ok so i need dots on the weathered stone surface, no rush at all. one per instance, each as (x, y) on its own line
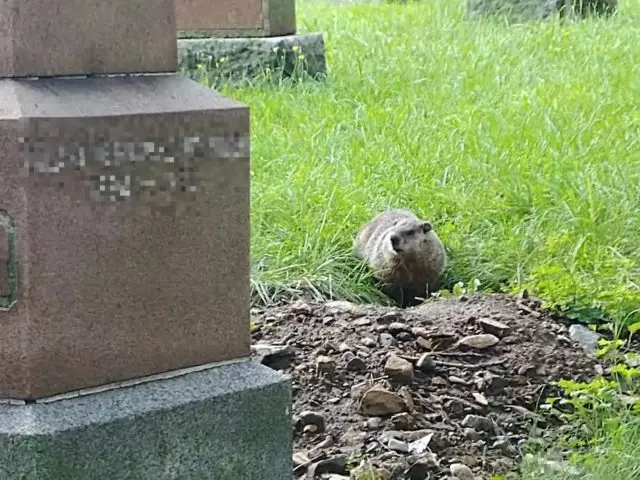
(378, 401)
(520, 10)
(123, 270)
(240, 58)
(240, 18)
(399, 369)
(77, 37)
(494, 327)
(588, 339)
(480, 342)
(228, 422)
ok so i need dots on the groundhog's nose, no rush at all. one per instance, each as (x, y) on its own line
(395, 241)
(426, 227)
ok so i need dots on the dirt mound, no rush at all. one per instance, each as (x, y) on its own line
(445, 389)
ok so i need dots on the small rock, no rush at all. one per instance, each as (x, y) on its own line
(300, 458)
(420, 469)
(387, 340)
(405, 394)
(309, 417)
(586, 338)
(458, 380)
(494, 327)
(397, 327)
(425, 363)
(398, 445)
(478, 422)
(399, 369)
(380, 402)
(401, 421)
(343, 347)
(340, 306)
(404, 337)
(369, 342)
(461, 471)
(374, 423)
(480, 342)
(419, 332)
(325, 365)
(423, 343)
(418, 447)
(310, 429)
(356, 364)
(479, 398)
(362, 322)
(336, 464)
(472, 434)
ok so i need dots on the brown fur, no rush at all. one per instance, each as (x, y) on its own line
(405, 254)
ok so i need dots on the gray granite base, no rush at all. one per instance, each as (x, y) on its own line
(527, 10)
(238, 59)
(230, 422)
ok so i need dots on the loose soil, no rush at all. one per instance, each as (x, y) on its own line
(439, 400)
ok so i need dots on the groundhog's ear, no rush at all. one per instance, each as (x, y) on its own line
(426, 227)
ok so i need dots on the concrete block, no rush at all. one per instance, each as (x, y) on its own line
(128, 199)
(78, 37)
(240, 58)
(230, 422)
(240, 18)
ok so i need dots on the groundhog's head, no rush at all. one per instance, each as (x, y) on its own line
(409, 237)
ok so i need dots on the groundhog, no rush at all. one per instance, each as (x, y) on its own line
(406, 256)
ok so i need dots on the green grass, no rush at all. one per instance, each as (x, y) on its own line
(614, 455)
(520, 143)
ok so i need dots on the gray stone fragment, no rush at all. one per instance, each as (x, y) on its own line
(237, 59)
(232, 421)
(387, 340)
(518, 10)
(527, 10)
(585, 337)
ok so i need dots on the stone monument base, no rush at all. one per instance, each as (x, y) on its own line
(532, 10)
(237, 59)
(228, 422)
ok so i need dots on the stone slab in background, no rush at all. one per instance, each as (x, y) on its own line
(522, 10)
(77, 37)
(241, 58)
(130, 197)
(230, 422)
(237, 18)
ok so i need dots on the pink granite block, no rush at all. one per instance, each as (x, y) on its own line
(237, 18)
(79, 37)
(131, 201)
